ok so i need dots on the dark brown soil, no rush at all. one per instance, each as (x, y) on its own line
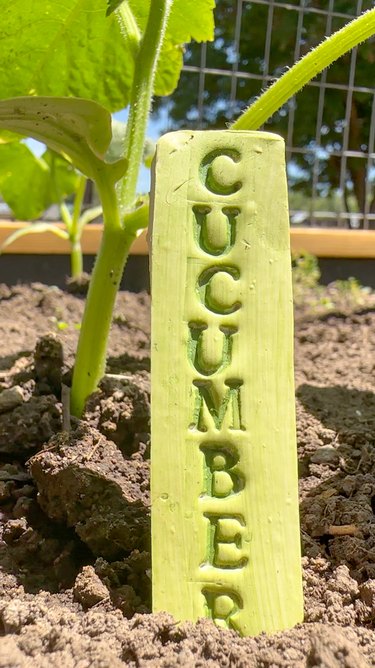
(75, 513)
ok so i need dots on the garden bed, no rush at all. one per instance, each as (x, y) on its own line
(75, 511)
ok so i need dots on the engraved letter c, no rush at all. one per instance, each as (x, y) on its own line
(215, 287)
(219, 170)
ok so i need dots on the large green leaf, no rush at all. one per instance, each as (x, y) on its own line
(64, 48)
(28, 184)
(189, 19)
(80, 129)
(73, 48)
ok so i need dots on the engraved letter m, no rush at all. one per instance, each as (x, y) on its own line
(210, 406)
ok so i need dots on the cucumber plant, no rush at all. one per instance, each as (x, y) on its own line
(90, 58)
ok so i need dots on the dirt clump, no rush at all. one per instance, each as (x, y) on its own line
(84, 481)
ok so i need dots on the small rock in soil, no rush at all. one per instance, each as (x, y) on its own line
(11, 398)
(14, 530)
(326, 454)
(26, 490)
(126, 600)
(22, 507)
(88, 588)
(84, 480)
(6, 490)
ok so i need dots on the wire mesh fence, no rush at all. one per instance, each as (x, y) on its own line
(329, 128)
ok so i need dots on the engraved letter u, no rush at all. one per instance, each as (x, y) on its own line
(210, 348)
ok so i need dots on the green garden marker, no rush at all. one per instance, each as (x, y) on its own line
(225, 525)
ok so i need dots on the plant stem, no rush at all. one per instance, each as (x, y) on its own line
(306, 69)
(117, 239)
(66, 217)
(78, 200)
(76, 260)
(92, 345)
(88, 216)
(141, 97)
(130, 27)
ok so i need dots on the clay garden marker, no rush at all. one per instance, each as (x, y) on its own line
(225, 526)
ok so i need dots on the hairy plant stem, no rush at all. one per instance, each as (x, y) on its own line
(141, 97)
(105, 280)
(129, 27)
(306, 69)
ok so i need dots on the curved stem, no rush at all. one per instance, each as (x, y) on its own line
(141, 97)
(66, 217)
(306, 69)
(88, 216)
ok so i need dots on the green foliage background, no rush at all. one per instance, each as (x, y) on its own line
(72, 48)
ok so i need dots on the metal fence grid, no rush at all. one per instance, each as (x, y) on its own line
(331, 155)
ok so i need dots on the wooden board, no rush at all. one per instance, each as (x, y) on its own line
(47, 243)
(320, 242)
(334, 242)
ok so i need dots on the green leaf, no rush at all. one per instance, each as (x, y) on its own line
(28, 184)
(63, 177)
(73, 49)
(64, 48)
(23, 179)
(34, 228)
(189, 19)
(80, 129)
(8, 137)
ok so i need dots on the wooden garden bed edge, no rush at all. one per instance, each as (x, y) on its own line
(320, 242)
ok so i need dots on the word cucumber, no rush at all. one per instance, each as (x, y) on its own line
(225, 526)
